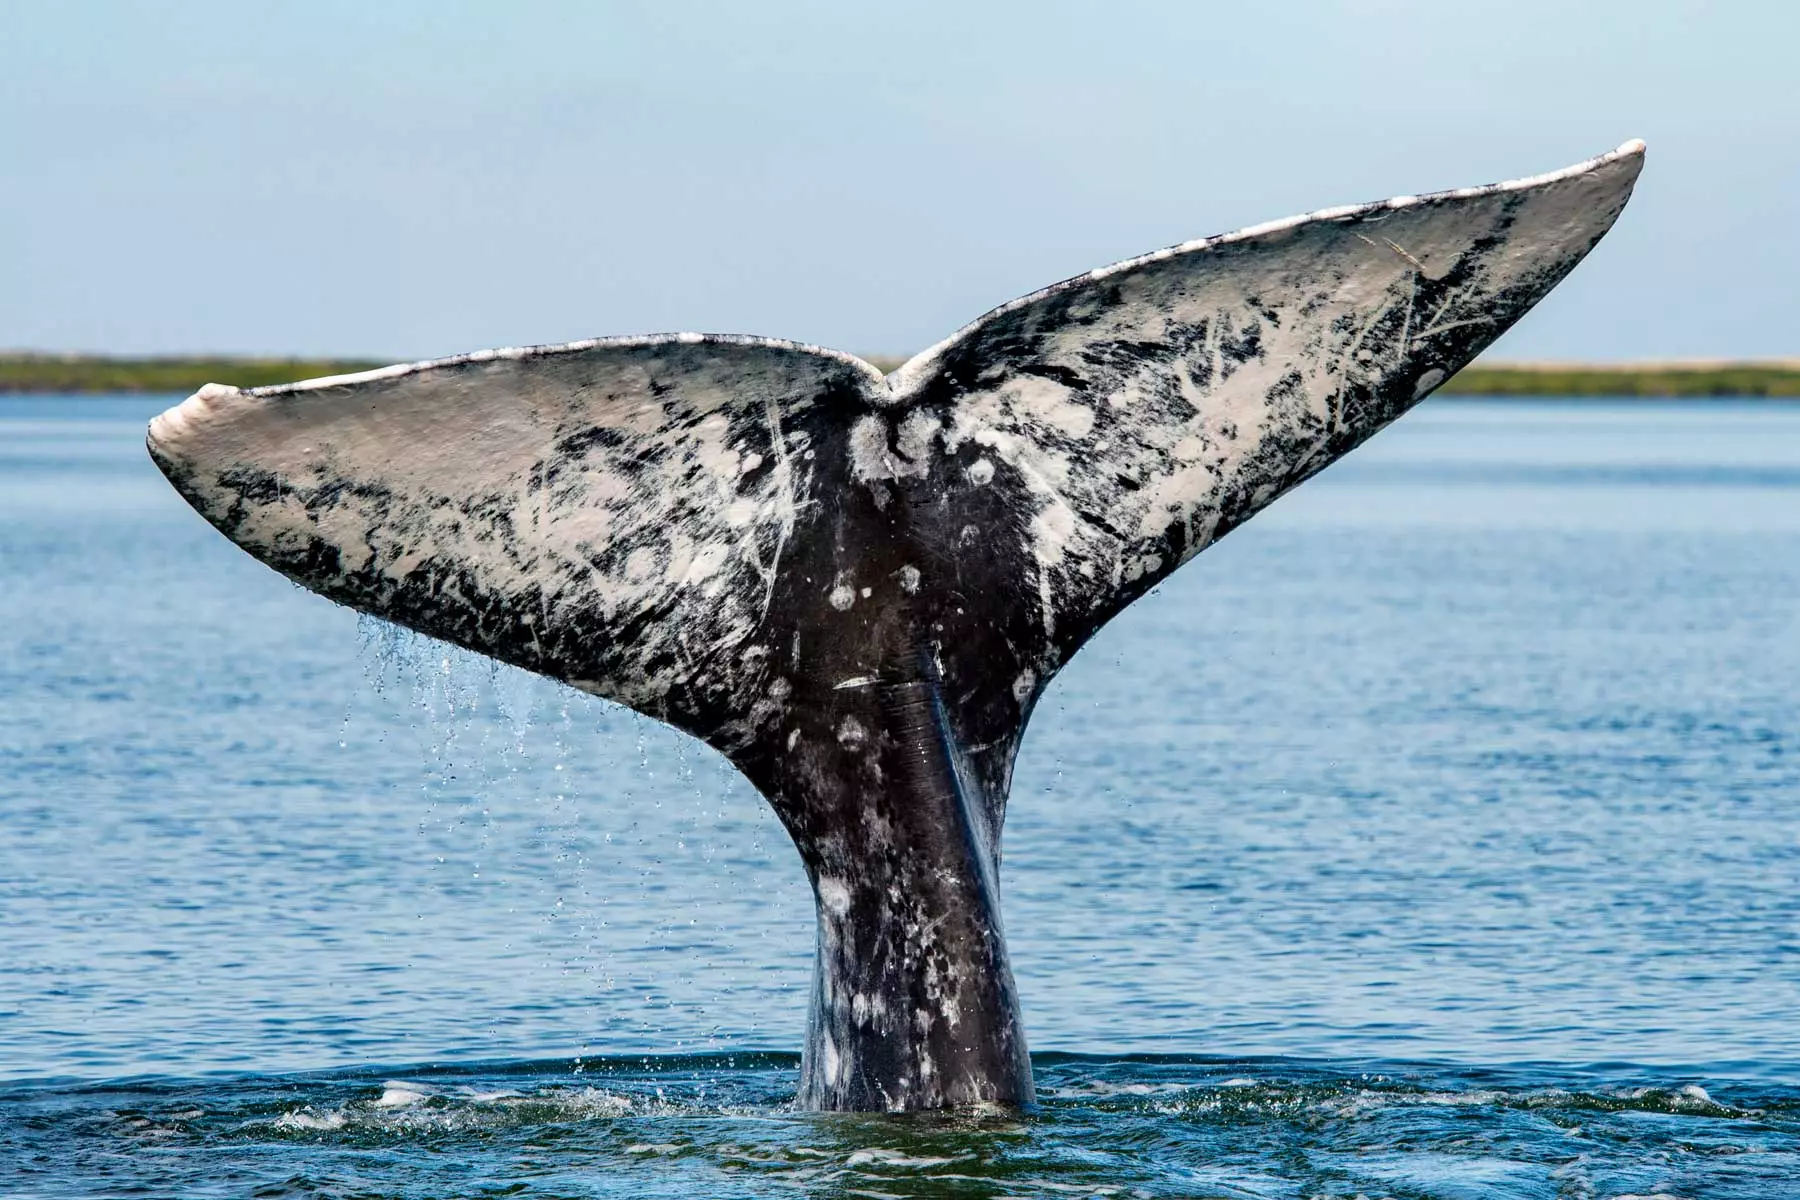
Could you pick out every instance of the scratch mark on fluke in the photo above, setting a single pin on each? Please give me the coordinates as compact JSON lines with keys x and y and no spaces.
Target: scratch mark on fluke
{"x":857,"y":587}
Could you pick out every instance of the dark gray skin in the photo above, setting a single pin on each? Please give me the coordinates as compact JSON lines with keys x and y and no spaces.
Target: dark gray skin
{"x":894,"y":792}
{"x":857,"y":586}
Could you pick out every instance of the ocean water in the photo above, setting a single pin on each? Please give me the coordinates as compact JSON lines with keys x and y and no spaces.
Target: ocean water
{"x":1436,"y":834}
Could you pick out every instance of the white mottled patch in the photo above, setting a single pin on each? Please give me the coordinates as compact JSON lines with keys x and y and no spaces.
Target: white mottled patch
{"x":708,"y":559}
{"x":851,"y":734}
{"x":869,"y":449}
{"x":1051,"y":529}
{"x":914,"y":439}
{"x":1143,"y":564}
{"x":1427,"y":381}
{"x":981,"y":472}
{"x":873,"y":460}
{"x":834,"y":897}
{"x":866,"y":1007}
{"x":842,"y":597}
{"x":909,"y":579}
{"x":712,"y":449}
{"x":641,"y":565}
{"x":1054,"y":405}
{"x":681,"y":557}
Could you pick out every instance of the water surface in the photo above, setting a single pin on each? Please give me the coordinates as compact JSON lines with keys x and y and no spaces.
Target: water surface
{"x":1433,"y":835}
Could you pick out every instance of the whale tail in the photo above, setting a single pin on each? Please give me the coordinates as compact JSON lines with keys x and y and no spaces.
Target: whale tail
{"x":857,"y":586}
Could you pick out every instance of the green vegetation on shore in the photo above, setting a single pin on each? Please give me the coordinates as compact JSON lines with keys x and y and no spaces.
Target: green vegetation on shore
{"x":94,"y":374}
{"x":1675,"y":379}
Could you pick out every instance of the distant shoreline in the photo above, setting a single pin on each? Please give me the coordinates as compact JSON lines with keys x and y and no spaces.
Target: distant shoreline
{"x":96,"y":375}
{"x":1665,"y":380}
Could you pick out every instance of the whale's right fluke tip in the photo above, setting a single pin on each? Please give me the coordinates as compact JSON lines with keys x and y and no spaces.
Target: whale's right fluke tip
{"x":1634,"y":146}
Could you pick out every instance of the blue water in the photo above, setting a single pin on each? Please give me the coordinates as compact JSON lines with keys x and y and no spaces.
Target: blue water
{"x":1437,"y":834}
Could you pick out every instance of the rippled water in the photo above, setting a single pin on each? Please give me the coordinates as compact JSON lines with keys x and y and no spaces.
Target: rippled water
{"x":1108,"y":1127}
{"x":1434,"y":835}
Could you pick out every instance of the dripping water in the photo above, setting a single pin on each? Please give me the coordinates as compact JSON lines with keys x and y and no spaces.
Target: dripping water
{"x":628,"y":818}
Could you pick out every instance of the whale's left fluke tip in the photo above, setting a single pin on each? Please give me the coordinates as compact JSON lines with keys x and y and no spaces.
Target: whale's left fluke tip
{"x":178,"y":436}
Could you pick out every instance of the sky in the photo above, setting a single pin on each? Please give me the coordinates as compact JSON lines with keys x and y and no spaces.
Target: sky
{"x":412,"y":178}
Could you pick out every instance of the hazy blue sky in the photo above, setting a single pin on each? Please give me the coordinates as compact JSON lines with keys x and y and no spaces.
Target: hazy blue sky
{"x":415,"y":178}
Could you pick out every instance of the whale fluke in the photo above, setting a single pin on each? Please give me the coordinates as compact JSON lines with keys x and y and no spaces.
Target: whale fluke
{"x":857,"y":587}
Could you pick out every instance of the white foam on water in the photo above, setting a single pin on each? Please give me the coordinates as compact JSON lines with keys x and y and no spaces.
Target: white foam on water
{"x":404,"y":1105}
{"x":396,"y":1094}
{"x":893,"y":1158}
{"x":310,"y":1121}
